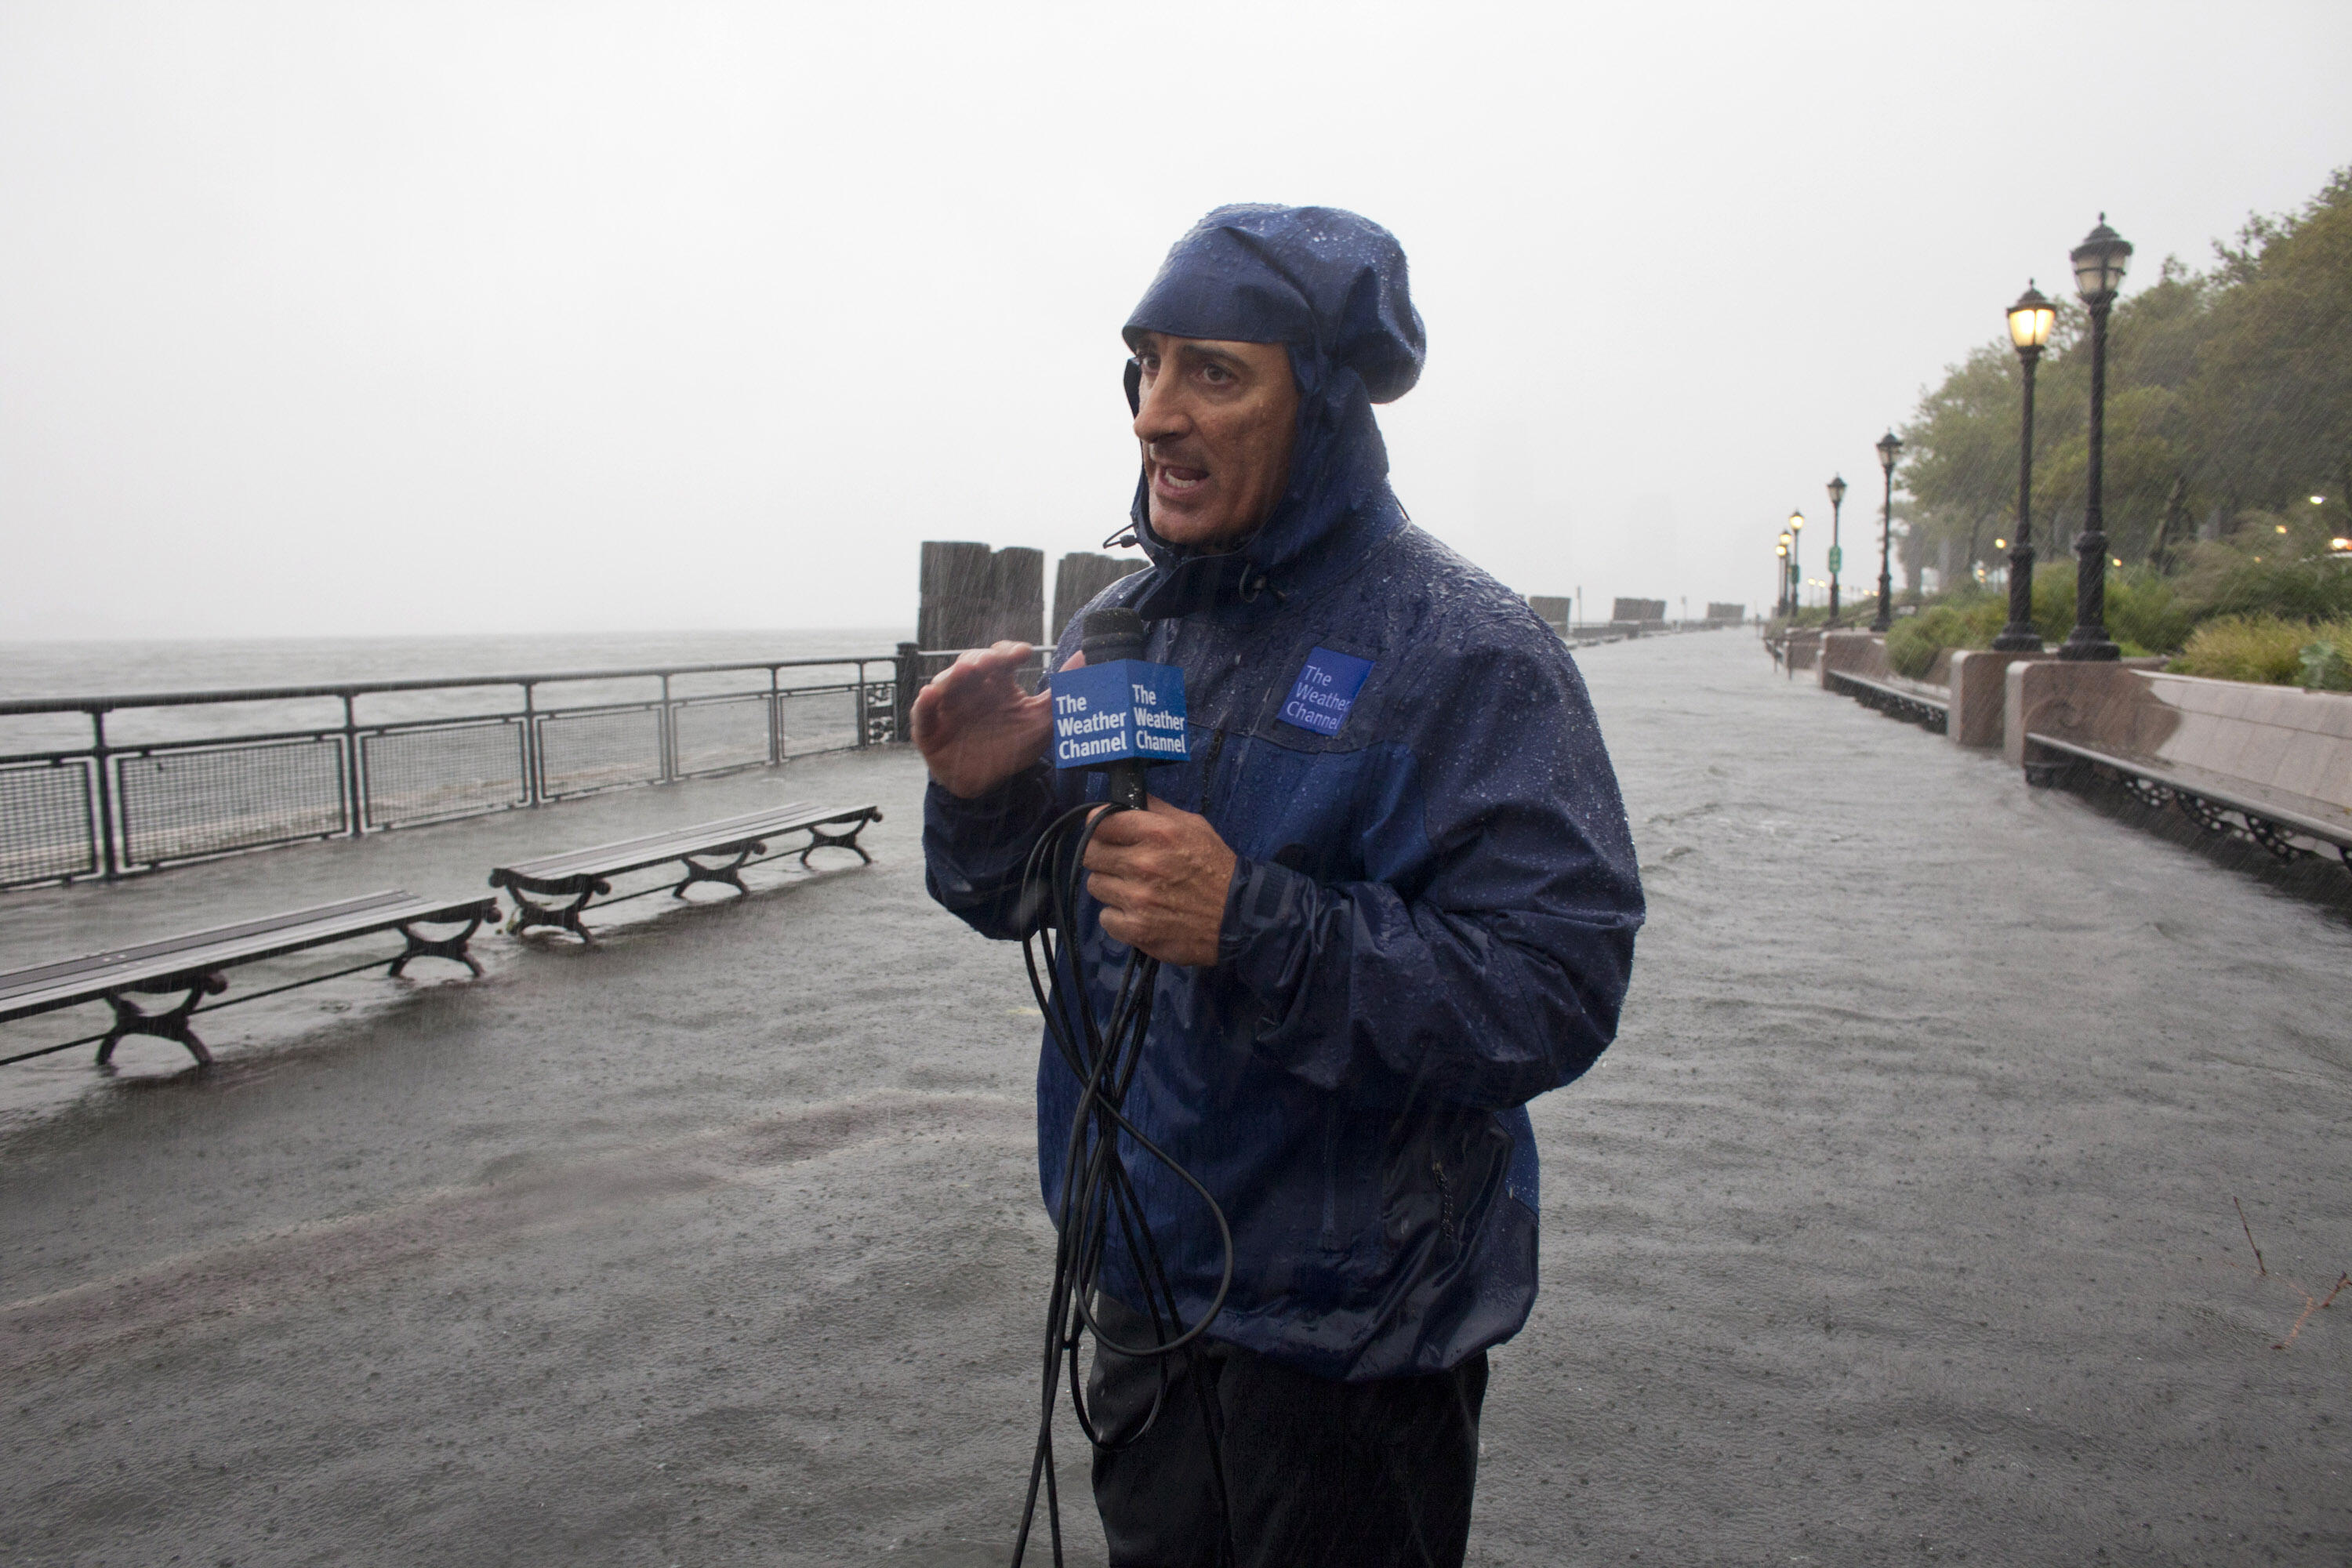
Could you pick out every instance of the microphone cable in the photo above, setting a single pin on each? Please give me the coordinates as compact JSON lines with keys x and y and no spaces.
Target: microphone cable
{"x":1097,"y":1192}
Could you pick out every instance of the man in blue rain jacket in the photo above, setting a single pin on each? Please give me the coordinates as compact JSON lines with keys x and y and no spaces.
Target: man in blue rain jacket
{"x":1392,"y":892}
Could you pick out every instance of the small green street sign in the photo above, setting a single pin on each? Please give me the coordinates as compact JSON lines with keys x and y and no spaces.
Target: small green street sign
{"x":1837,"y":559}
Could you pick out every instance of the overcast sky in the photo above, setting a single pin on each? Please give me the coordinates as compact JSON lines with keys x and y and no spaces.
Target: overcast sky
{"x":411,"y":317}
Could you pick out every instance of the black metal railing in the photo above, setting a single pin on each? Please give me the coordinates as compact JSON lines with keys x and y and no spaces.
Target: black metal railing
{"x":117,"y":806}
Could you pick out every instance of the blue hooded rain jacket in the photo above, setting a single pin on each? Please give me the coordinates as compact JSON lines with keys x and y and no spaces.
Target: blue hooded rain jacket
{"x":1432,"y":916}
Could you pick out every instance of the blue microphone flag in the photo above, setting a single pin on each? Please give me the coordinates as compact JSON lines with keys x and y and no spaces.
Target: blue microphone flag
{"x":1125,"y":711}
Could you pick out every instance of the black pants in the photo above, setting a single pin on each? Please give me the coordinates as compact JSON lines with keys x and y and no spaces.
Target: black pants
{"x":1351,"y":1475}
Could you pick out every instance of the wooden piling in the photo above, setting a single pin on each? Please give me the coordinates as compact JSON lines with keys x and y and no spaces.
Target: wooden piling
{"x":1080,"y":575}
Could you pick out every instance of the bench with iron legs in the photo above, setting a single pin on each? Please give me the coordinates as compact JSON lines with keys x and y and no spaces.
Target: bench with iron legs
{"x":2275,"y":822}
{"x":552,"y":892}
{"x":196,"y":966}
{"x":1909,"y":703}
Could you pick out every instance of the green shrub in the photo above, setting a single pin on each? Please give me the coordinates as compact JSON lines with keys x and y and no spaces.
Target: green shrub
{"x":2053,"y":600}
{"x":2327,"y":664}
{"x":2270,"y":649}
{"x":2245,"y":608}
{"x":1913,"y":643}
{"x":2262,"y":572}
{"x":2145,"y":613}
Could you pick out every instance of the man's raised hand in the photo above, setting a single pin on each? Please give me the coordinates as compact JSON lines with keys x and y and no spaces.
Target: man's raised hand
{"x":974,"y":725}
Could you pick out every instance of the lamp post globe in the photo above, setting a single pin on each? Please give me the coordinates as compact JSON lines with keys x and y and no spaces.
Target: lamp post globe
{"x":1890,"y":446}
{"x":2099,"y":264}
{"x":1837,"y":548}
{"x":2030,"y":322}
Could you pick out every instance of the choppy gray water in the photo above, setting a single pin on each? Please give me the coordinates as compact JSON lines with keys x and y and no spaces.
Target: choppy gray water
{"x":1901,"y":1222}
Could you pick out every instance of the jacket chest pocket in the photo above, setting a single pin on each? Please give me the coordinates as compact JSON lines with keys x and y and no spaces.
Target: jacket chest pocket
{"x":1298,"y":809}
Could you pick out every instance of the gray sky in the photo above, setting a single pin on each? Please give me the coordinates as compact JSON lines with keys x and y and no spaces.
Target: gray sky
{"x":416,"y":318}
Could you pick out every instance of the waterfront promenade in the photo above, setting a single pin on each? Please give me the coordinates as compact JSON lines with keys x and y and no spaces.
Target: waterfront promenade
{"x":1901,"y":1222}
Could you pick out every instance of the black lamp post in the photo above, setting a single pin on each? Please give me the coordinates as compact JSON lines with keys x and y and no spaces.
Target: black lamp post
{"x":1782,"y":551}
{"x":1795,"y":537}
{"x":2099,"y":263}
{"x":1889,"y":447}
{"x":1837,"y":550}
{"x":2030,"y":320}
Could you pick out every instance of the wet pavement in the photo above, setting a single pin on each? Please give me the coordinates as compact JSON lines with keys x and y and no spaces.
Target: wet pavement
{"x":1902,"y":1223}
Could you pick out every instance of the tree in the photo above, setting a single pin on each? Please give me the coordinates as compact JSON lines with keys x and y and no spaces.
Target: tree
{"x":2226,"y":390}
{"x":2271,"y":391}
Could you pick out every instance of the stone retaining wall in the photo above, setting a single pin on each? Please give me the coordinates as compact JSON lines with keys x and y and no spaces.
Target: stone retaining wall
{"x":1979,"y":687}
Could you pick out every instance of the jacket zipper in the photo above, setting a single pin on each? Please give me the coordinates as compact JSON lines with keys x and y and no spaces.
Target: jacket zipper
{"x":1209,"y":768}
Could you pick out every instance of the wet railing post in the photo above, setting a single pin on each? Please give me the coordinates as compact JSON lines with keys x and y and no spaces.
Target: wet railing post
{"x":902,"y":704}
{"x":775,"y":716}
{"x":534,"y":763}
{"x":355,"y":791}
{"x":103,"y":759}
{"x":666,"y":737}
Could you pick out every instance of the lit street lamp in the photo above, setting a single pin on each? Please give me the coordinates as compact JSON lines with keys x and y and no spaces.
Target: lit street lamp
{"x":1889,"y":447}
{"x":2099,"y":263}
{"x":1782,"y":551}
{"x":1796,"y":572}
{"x":2030,"y":320}
{"x":1837,"y":551}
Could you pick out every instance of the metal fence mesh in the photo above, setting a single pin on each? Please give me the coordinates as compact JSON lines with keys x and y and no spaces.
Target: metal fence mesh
{"x":178,"y":804}
{"x":45,"y":822}
{"x":424,"y":775}
{"x":730,"y":732}
{"x":209,"y":791}
{"x":818,"y":721}
{"x":579,"y":752}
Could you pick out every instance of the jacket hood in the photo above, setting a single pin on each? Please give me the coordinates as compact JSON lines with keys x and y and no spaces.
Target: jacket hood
{"x":1330,"y":288}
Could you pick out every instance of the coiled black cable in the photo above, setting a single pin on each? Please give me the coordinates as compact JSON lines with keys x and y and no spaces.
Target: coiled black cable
{"x":1096,"y":1192}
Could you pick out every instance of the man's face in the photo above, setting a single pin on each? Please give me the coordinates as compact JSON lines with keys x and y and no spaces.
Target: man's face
{"x":1215,"y":421}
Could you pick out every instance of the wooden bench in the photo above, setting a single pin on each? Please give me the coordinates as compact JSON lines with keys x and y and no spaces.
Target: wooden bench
{"x":196,"y":965}
{"x":586,"y":874}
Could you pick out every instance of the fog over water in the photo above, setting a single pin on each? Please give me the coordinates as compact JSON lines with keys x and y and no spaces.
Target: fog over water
{"x":443,"y":318}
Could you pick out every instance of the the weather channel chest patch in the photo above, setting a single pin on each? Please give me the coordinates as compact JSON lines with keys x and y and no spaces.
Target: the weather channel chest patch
{"x":1326,"y":689}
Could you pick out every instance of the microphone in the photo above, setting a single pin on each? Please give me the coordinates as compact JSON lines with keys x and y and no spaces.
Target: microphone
{"x":1109,"y":635}
{"x":1119,"y":713}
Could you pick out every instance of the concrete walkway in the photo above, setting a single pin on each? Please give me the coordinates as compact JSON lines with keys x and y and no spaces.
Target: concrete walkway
{"x":1898,"y":1225}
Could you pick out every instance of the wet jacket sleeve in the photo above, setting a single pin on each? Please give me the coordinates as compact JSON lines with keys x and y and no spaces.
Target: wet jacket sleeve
{"x":974,"y":850}
{"x":1483,"y":958}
